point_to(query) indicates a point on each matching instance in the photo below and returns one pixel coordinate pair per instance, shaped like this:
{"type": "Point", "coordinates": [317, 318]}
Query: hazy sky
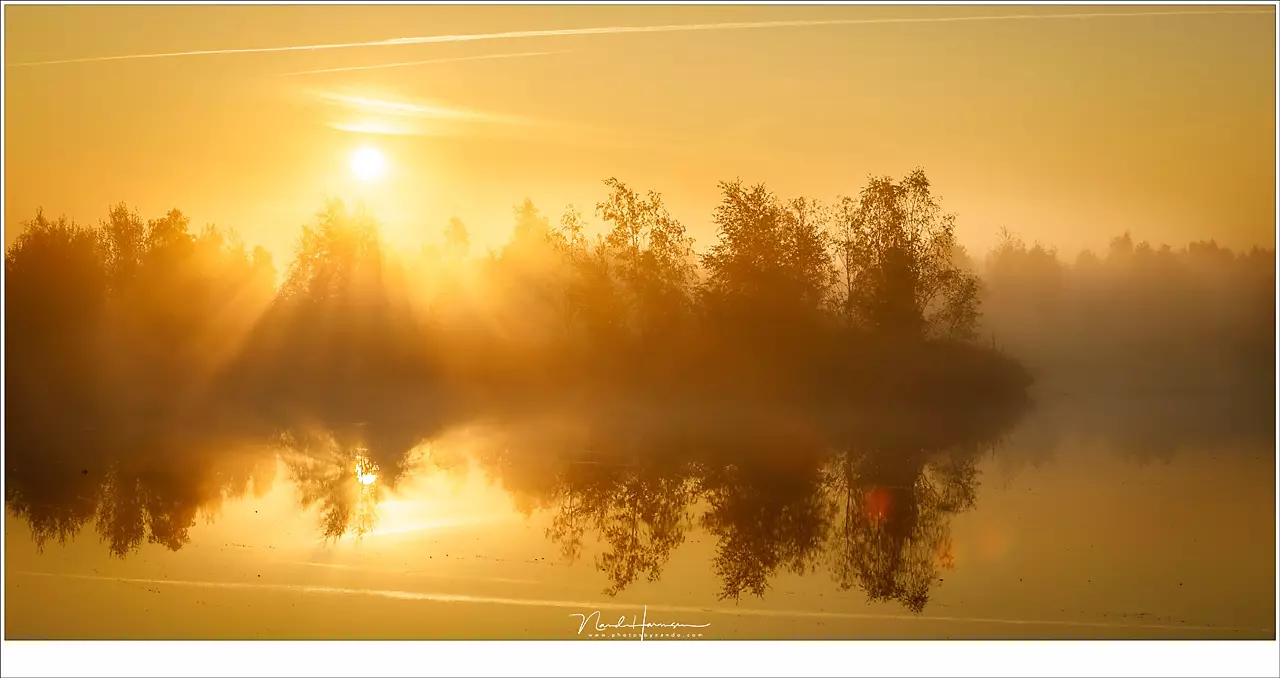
{"type": "Point", "coordinates": [1066, 131]}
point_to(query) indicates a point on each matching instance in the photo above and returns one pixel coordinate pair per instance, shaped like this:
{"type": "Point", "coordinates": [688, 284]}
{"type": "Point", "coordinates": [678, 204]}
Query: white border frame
{"type": "Point", "coordinates": [578, 658]}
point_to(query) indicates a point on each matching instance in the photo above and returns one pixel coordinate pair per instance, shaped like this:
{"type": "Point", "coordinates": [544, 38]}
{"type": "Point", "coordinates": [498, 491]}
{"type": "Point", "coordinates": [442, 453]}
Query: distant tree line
{"type": "Point", "coordinates": [1137, 318]}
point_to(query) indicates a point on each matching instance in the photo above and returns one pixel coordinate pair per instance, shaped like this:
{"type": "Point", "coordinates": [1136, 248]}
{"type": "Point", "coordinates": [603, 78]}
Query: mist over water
{"type": "Point", "coordinates": [824, 395]}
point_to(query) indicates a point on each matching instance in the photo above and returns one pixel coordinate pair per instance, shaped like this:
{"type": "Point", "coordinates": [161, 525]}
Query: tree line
{"type": "Point", "coordinates": [1189, 321]}
{"type": "Point", "coordinates": [151, 320]}
{"type": "Point", "coordinates": [154, 369]}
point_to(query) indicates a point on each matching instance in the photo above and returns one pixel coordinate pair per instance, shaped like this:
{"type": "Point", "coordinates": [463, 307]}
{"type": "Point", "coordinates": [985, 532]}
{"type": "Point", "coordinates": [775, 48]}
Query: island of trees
{"type": "Point", "coordinates": [795, 302]}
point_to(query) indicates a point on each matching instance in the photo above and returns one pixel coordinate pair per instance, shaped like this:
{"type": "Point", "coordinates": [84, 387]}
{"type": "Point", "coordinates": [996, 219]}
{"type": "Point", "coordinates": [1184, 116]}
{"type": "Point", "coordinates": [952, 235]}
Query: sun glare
{"type": "Point", "coordinates": [368, 163]}
{"type": "Point", "coordinates": [366, 471]}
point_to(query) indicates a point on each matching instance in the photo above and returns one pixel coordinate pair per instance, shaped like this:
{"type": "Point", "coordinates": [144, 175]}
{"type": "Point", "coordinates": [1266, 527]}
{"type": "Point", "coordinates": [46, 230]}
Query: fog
{"type": "Point", "coordinates": [820, 382]}
{"type": "Point", "coordinates": [1190, 319]}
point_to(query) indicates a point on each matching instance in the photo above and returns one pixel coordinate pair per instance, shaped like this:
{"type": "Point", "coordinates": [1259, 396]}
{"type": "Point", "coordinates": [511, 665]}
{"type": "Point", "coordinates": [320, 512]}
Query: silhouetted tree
{"type": "Point", "coordinates": [770, 266]}
{"type": "Point", "coordinates": [123, 239]}
{"type": "Point", "coordinates": [654, 260]}
{"type": "Point", "coordinates": [593, 314]}
{"type": "Point", "coordinates": [898, 250]}
{"type": "Point", "coordinates": [56, 296]}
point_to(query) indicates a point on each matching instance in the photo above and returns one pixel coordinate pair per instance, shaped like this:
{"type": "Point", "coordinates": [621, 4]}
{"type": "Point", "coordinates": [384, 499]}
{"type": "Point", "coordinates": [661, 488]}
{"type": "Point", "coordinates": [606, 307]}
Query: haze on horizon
{"type": "Point", "coordinates": [1067, 131]}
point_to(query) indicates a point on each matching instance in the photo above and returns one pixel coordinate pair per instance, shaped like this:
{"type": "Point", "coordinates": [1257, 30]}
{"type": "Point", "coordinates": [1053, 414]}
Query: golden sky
{"type": "Point", "coordinates": [1066, 130]}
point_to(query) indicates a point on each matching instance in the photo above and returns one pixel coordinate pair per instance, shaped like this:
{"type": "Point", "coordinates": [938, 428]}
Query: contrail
{"type": "Point", "coordinates": [587, 606]}
{"type": "Point", "coordinates": [617, 30]}
{"type": "Point", "coordinates": [427, 61]}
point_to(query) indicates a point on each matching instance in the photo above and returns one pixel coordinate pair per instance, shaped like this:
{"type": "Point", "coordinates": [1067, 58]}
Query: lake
{"type": "Point", "coordinates": [1099, 517]}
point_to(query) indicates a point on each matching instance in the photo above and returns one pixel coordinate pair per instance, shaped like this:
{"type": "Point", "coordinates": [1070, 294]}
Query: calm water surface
{"type": "Point", "coordinates": [1111, 518]}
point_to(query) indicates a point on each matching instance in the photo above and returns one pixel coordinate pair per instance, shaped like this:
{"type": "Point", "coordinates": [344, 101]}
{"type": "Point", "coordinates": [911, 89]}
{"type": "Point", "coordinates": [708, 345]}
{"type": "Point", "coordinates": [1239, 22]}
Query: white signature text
{"type": "Point", "coordinates": [612, 630]}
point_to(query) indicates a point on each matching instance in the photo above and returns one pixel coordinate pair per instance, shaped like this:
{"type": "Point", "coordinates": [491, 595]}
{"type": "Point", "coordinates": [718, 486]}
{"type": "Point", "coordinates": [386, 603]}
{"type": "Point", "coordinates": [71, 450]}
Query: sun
{"type": "Point", "coordinates": [368, 163]}
{"type": "Point", "coordinates": [366, 470]}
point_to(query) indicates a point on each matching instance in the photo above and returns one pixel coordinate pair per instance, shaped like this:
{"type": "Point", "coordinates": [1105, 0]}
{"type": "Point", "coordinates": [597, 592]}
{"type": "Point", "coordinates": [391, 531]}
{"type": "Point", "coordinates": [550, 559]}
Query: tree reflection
{"type": "Point", "coordinates": [639, 512]}
{"type": "Point", "coordinates": [891, 531]}
{"type": "Point", "coordinates": [865, 498]}
{"type": "Point", "coordinates": [629, 488]}
{"type": "Point", "coordinates": [341, 476]}
{"type": "Point", "coordinates": [768, 515]}
{"type": "Point", "coordinates": [153, 490]}
{"type": "Point", "coordinates": [869, 497]}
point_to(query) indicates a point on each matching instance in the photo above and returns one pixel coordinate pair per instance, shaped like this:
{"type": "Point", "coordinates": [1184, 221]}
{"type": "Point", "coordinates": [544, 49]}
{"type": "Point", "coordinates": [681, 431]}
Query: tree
{"type": "Point", "coordinates": [55, 294]}
{"type": "Point", "coordinates": [122, 237]}
{"type": "Point", "coordinates": [897, 247]}
{"type": "Point", "coordinates": [1018, 276]}
{"type": "Point", "coordinates": [341, 252]}
{"type": "Point", "coordinates": [568, 239]}
{"type": "Point", "coordinates": [341, 332]}
{"type": "Point", "coordinates": [771, 264]}
{"type": "Point", "coordinates": [456, 239]}
{"type": "Point", "coordinates": [589, 301]}
{"type": "Point", "coordinates": [529, 238]}
{"type": "Point", "coordinates": [653, 255]}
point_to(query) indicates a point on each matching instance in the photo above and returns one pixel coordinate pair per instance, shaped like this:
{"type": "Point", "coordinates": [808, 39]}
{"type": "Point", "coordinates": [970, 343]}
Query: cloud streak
{"type": "Point", "coordinates": [404, 108]}
{"type": "Point", "coordinates": [399, 64]}
{"type": "Point", "coordinates": [425, 110]}
{"type": "Point", "coordinates": [622, 30]}
{"type": "Point", "coordinates": [375, 114]}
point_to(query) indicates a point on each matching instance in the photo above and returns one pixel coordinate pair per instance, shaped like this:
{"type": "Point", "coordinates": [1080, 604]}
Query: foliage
{"type": "Point", "coordinates": [898, 250]}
